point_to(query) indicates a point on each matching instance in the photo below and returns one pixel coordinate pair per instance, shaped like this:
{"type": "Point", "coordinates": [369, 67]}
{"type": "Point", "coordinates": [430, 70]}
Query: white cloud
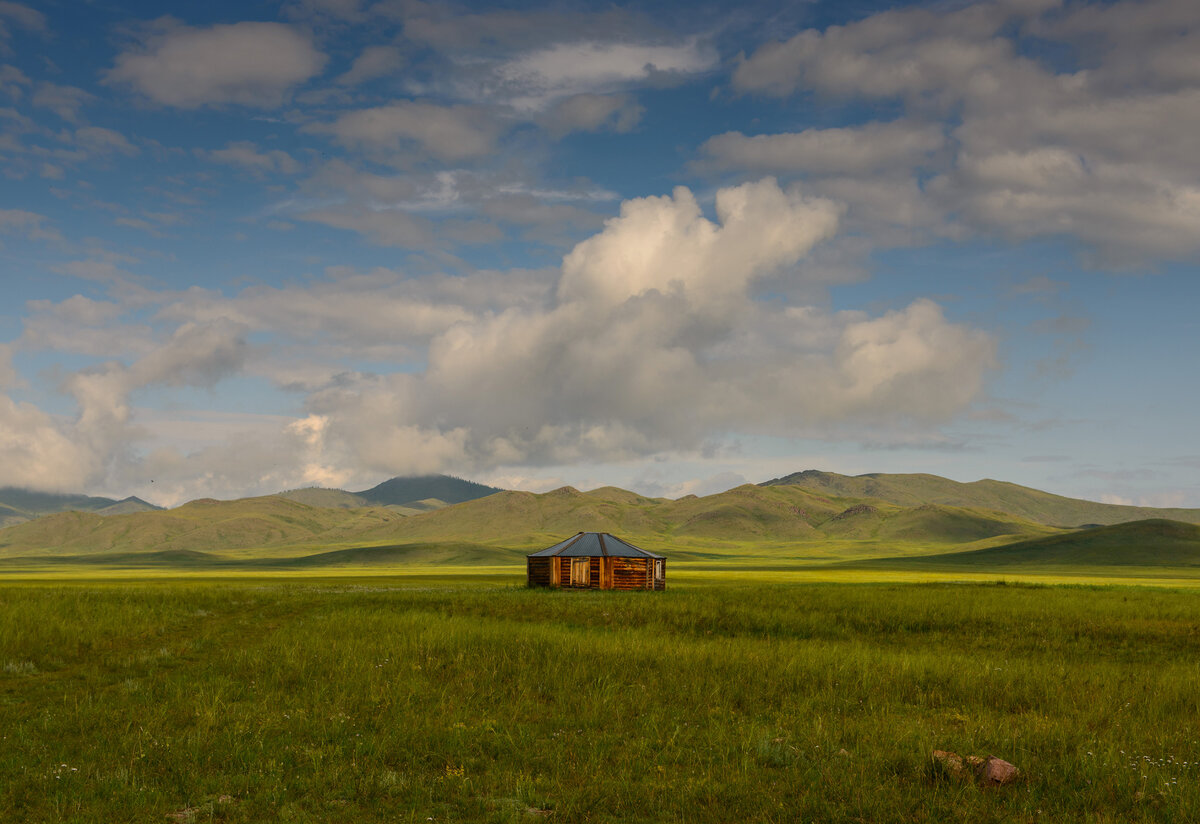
{"type": "Point", "coordinates": [1103, 155]}
{"type": "Point", "coordinates": [653, 316]}
{"type": "Point", "coordinates": [29, 225]}
{"type": "Point", "coordinates": [64, 101]}
{"type": "Point", "coordinates": [385, 227]}
{"type": "Point", "coordinates": [536, 79]}
{"type": "Point", "coordinates": [665, 244]}
{"type": "Point", "coordinates": [13, 82]}
{"type": "Point", "coordinates": [852, 150]}
{"type": "Point", "coordinates": [98, 141]}
{"type": "Point", "coordinates": [21, 16]}
{"type": "Point", "coordinates": [8, 374]}
{"type": "Point", "coordinates": [592, 113]}
{"type": "Point", "coordinates": [41, 451]}
{"type": "Point", "coordinates": [648, 340]}
{"type": "Point", "coordinates": [374, 62]}
{"type": "Point", "coordinates": [446, 132]}
{"type": "Point", "coordinates": [246, 155]}
{"type": "Point", "coordinates": [248, 64]}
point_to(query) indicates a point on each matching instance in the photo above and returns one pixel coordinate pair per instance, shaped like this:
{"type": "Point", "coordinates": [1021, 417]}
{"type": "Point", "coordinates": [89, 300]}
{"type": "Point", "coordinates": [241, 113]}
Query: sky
{"type": "Point", "coordinates": [259, 245]}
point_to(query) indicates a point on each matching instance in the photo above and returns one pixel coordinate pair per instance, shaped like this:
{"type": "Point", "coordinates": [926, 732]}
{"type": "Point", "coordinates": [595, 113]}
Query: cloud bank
{"type": "Point", "coordinates": [649, 338]}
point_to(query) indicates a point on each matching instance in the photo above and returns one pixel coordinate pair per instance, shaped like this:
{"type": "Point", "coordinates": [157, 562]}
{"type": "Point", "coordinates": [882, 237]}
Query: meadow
{"type": "Point", "coordinates": [409, 697]}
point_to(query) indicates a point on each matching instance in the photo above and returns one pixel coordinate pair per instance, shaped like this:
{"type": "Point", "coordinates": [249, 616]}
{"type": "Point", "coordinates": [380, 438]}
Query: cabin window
{"type": "Point", "coordinates": [581, 572]}
{"type": "Point", "coordinates": [658, 570]}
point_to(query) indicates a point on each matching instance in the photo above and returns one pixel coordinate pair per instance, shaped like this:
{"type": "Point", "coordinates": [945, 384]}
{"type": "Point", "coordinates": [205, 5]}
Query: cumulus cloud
{"type": "Point", "coordinates": [248, 64]}
{"type": "Point", "coordinates": [648, 339]}
{"type": "Point", "coordinates": [42, 451]}
{"type": "Point", "coordinates": [650, 317]}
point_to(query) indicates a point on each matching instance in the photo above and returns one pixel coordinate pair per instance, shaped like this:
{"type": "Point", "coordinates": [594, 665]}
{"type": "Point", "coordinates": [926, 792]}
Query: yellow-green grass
{"type": "Point", "coordinates": [417, 698]}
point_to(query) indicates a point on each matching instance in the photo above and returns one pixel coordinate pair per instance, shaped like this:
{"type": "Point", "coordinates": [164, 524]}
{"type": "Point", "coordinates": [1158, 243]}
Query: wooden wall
{"type": "Point", "coordinates": [538, 572]}
{"type": "Point", "coordinates": [632, 573]}
{"type": "Point", "coordinates": [603, 573]}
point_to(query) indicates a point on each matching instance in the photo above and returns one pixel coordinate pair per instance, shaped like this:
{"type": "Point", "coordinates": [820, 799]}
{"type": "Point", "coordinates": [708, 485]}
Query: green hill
{"type": "Point", "coordinates": [203, 525]}
{"type": "Point", "coordinates": [999, 496]}
{"type": "Point", "coordinates": [749, 519]}
{"type": "Point", "coordinates": [814, 517]}
{"type": "Point", "coordinates": [1150, 543]}
{"type": "Point", "coordinates": [319, 496]}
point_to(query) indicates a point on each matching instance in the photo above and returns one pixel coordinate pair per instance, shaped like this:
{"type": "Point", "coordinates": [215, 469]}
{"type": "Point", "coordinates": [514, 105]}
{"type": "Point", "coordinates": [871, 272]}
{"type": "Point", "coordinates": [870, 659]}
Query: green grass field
{"type": "Point", "coordinates": [435, 697]}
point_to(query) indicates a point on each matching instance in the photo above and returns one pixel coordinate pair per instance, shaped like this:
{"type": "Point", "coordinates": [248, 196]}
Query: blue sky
{"type": "Point", "coordinates": [254, 246]}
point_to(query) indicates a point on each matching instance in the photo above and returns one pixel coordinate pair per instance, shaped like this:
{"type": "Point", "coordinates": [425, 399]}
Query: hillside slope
{"type": "Point", "coordinates": [1149, 543]}
{"type": "Point", "coordinates": [1030, 504]}
{"type": "Point", "coordinates": [204, 525]}
{"type": "Point", "coordinates": [780, 519]}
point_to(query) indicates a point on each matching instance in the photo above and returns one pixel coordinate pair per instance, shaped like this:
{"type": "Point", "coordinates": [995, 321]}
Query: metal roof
{"type": "Point", "coordinates": [592, 544]}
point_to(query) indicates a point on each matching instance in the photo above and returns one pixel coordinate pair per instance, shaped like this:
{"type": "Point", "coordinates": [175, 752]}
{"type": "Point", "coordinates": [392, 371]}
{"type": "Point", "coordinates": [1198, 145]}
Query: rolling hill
{"type": "Point", "coordinates": [742, 517]}
{"type": "Point", "coordinates": [1000, 496]}
{"type": "Point", "coordinates": [813, 517]}
{"type": "Point", "coordinates": [1150, 543]}
{"type": "Point", "coordinates": [205, 525]}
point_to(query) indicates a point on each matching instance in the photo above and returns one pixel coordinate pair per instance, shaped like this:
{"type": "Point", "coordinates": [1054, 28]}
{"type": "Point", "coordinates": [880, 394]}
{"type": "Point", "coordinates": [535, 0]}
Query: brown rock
{"type": "Point", "coordinates": [996, 771]}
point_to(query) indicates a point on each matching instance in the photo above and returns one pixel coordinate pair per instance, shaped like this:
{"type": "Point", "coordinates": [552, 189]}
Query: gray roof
{"type": "Point", "coordinates": [591, 544]}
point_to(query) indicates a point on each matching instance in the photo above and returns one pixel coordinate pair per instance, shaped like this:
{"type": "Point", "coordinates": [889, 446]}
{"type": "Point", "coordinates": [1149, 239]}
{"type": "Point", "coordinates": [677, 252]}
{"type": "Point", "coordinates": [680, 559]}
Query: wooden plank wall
{"type": "Point", "coordinates": [564, 571]}
{"type": "Point", "coordinates": [604, 573]}
{"type": "Point", "coordinates": [537, 571]}
{"type": "Point", "coordinates": [632, 573]}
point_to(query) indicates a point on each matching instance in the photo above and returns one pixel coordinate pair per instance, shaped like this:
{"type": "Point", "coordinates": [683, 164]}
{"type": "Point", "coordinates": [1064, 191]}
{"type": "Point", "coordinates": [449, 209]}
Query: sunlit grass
{"type": "Point", "coordinates": [468, 697]}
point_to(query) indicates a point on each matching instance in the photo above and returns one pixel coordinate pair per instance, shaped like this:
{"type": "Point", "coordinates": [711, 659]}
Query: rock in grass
{"type": "Point", "coordinates": [990, 771]}
{"type": "Point", "coordinates": [996, 772]}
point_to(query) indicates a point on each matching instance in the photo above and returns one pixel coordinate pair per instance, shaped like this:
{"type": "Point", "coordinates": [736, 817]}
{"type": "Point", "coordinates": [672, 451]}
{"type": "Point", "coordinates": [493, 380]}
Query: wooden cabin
{"type": "Point", "coordinates": [596, 560]}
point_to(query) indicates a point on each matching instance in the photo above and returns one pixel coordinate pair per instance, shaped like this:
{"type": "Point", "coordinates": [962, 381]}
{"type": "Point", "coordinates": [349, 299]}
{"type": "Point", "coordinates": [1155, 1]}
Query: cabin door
{"type": "Point", "coordinates": [660, 573]}
{"type": "Point", "coordinates": [581, 572]}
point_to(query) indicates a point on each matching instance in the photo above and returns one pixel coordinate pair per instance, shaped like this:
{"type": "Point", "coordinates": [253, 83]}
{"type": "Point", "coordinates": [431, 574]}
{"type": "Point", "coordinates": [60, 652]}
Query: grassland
{"type": "Point", "coordinates": [470, 698]}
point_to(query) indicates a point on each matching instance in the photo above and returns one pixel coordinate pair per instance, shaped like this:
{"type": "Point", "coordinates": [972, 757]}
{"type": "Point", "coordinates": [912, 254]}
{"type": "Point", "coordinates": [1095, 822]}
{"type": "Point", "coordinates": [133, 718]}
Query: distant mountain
{"type": "Point", "coordinates": [408, 495]}
{"type": "Point", "coordinates": [18, 505]}
{"type": "Point", "coordinates": [414, 490]}
{"type": "Point", "coordinates": [1150, 543]}
{"type": "Point", "coordinates": [128, 506]}
{"type": "Point", "coordinates": [999, 496]}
